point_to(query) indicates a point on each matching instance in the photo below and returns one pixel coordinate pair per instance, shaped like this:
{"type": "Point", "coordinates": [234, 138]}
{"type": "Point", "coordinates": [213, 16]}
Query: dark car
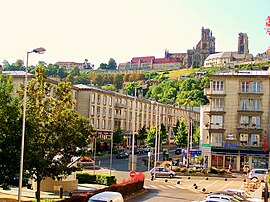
{"type": "Point", "coordinates": [178, 151]}
{"type": "Point", "coordinates": [121, 155]}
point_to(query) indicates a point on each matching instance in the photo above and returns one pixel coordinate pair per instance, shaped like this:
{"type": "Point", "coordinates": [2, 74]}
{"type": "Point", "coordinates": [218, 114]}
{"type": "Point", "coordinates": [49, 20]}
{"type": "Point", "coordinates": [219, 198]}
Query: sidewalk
{"type": "Point", "coordinates": [29, 195]}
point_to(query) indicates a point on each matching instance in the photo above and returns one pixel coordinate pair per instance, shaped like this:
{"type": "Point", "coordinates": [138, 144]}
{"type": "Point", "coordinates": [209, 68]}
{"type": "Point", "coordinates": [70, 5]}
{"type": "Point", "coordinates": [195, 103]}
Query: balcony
{"type": "Point", "coordinates": [119, 105]}
{"type": "Point", "coordinates": [210, 92]}
{"type": "Point", "coordinates": [249, 128]}
{"type": "Point", "coordinates": [254, 110]}
{"type": "Point", "coordinates": [214, 110]}
{"type": "Point", "coordinates": [118, 116]}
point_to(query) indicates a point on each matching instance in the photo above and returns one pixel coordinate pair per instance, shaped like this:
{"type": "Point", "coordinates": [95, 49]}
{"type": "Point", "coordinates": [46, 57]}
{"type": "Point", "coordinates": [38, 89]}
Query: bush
{"type": "Point", "coordinates": [126, 188]}
{"type": "Point", "coordinates": [95, 179]}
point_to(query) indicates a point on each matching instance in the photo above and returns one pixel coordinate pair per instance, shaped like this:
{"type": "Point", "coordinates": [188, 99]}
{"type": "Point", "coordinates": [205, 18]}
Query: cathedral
{"type": "Point", "coordinates": [205, 47]}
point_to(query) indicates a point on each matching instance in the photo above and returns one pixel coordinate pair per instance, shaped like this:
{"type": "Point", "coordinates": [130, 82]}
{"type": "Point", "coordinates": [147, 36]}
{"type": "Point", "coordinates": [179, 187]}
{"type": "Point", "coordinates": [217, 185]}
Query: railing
{"type": "Point", "coordinates": [209, 91]}
{"type": "Point", "coordinates": [249, 126]}
{"type": "Point", "coordinates": [120, 105]}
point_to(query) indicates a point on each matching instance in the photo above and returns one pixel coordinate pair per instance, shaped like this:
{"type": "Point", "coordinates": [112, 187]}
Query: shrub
{"type": "Point", "coordinates": [95, 179]}
{"type": "Point", "coordinates": [85, 178]}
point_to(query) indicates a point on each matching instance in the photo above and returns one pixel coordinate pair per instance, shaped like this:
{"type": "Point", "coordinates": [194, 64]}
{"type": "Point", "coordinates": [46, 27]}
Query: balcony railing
{"type": "Point", "coordinates": [238, 144]}
{"type": "Point", "coordinates": [250, 109]}
{"type": "Point", "coordinates": [209, 91]}
{"type": "Point", "coordinates": [120, 105]}
{"type": "Point", "coordinates": [118, 116]}
{"type": "Point", "coordinates": [249, 126]}
{"type": "Point", "coordinates": [209, 108]}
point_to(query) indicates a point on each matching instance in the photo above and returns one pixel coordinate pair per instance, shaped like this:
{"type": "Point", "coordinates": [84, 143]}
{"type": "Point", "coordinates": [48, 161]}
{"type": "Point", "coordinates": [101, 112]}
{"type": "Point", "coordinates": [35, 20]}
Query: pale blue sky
{"type": "Point", "coordinates": [121, 29]}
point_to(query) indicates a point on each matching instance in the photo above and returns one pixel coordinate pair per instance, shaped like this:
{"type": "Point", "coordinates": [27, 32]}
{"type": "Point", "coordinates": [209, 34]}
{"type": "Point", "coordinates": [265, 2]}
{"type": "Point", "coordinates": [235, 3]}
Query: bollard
{"type": "Point", "coordinates": [61, 192]}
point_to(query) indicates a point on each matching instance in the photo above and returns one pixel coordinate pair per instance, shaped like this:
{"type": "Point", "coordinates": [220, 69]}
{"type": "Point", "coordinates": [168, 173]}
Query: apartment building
{"type": "Point", "coordinates": [108, 110]}
{"type": "Point", "coordinates": [236, 121]}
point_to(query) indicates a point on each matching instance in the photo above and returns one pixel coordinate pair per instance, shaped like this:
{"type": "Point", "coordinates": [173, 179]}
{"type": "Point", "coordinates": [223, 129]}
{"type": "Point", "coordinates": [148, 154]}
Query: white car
{"type": "Point", "coordinates": [107, 196]}
{"type": "Point", "coordinates": [162, 172]}
{"type": "Point", "coordinates": [258, 174]}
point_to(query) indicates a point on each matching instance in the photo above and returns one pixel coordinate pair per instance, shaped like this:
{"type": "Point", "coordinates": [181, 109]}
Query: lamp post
{"type": "Point", "coordinates": [156, 138]}
{"type": "Point", "coordinates": [159, 128]}
{"type": "Point", "coordinates": [111, 154]}
{"type": "Point", "coordinates": [39, 51]}
{"type": "Point", "coordinates": [133, 126]}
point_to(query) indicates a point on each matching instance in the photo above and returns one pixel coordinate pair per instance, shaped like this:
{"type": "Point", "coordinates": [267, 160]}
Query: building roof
{"type": "Point", "coordinates": [245, 73]}
{"type": "Point", "coordinates": [143, 59]}
{"type": "Point", "coordinates": [166, 60]}
{"type": "Point", "coordinates": [17, 73]}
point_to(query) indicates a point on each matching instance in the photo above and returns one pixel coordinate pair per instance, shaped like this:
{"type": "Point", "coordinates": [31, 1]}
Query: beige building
{"type": "Point", "coordinates": [236, 121]}
{"type": "Point", "coordinates": [108, 110]}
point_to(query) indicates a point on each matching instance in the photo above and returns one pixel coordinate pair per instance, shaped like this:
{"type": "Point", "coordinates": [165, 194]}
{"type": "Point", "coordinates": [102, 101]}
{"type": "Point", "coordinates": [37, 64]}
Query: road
{"type": "Point", "coordinates": [175, 189]}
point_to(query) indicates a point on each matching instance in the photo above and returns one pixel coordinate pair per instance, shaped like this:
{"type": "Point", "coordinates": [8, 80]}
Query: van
{"type": "Point", "coordinates": [107, 196]}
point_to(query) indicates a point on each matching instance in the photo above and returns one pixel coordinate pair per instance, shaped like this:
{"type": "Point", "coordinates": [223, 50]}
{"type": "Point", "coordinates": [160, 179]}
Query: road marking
{"type": "Point", "coordinates": [153, 186]}
{"type": "Point", "coordinates": [171, 186]}
{"type": "Point", "coordinates": [211, 184]}
{"type": "Point", "coordinates": [226, 186]}
{"type": "Point", "coordinates": [164, 187]}
{"type": "Point", "coordinates": [196, 184]}
{"type": "Point", "coordinates": [180, 187]}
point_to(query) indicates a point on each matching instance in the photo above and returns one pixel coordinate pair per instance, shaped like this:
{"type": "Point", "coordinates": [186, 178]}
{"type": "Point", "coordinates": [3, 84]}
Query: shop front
{"type": "Point", "coordinates": [236, 159]}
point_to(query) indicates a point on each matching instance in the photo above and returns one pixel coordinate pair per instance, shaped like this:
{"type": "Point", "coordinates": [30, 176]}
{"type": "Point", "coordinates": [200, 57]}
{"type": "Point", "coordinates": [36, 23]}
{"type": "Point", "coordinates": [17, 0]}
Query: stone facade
{"type": "Point", "coordinates": [236, 121]}
{"type": "Point", "coordinates": [204, 48]}
{"type": "Point", "coordinates": [243, 43]}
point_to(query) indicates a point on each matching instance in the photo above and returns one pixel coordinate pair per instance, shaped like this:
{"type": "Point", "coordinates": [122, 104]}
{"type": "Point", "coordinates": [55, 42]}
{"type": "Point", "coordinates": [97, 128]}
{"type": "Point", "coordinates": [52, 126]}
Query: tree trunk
{"type": "Point", "coordinates": [38, 189]}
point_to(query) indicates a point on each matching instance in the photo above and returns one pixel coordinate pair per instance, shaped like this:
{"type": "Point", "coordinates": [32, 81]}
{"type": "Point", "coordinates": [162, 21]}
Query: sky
{"type": "Point", "coordinates": [98, 30]}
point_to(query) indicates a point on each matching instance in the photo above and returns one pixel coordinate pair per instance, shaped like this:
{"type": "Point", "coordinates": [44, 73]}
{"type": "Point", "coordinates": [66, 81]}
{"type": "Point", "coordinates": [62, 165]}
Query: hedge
{"type": "Point", "coordinates": [126, 188]}
{"type": "Point", "coordinates": [95, 179]}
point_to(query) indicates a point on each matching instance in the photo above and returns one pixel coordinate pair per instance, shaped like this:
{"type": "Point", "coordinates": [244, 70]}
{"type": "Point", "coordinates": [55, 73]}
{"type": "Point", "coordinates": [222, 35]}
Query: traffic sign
{"type": "Point", "coordinates": [132, 173]}
{"type": "Point", "coordinates": [206, 145]}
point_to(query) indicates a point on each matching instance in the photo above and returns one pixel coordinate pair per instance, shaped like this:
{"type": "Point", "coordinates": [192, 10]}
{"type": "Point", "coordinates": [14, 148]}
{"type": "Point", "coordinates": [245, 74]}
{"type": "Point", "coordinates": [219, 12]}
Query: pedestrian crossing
{"type": "Point", "coordinates": [159, 186]}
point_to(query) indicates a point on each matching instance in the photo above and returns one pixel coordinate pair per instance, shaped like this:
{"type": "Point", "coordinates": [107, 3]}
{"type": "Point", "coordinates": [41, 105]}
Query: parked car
{"type": "Point", "coordinates": [127, 152]}
{"type": "Point", "coordinates": [85, 161]}
{"type": "Point", "coordinates": [121, 155]}
{"type": "Point", "coordinates": [146, 149]}
{"type": "Point", "coordinates": [162, 172]}
{"type": "Point", "coordinates": [258, 173]}
{"type": "Point", "coordinates": [178, 151]}
{"type": "Point", "coordinates": [138, 150]}
{"type": "Point", "coordinates": [107, 196]}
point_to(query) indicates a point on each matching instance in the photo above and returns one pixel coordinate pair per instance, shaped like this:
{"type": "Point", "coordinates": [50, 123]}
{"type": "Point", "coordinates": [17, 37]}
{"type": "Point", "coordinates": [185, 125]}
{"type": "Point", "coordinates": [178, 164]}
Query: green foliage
{"type": "Point", "coordinates": [196, 135]}
{"type": "Point", "coordinates": [150, 141]}
{"type": "Point", "coordinates": [10, 128]}
{"type": "Point", "coordinates": [180, 138]}
{"type": "Point", "coordinates": [163, 133]}
{"type": "Point", "coordinates": [95, 179]}
{"type": "Point", "coordinates": [142, 134]}
{"type": "Point", "coordinates": [118, 136]}
{"type": "Point", "coordinates": [112, 64]}
{"type": "Point", "coordinates": [54, 131]}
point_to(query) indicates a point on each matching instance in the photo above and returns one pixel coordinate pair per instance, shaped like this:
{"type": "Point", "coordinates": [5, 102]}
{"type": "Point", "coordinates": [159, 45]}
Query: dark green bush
{"type": "Point", "coordinates": [95, 179]}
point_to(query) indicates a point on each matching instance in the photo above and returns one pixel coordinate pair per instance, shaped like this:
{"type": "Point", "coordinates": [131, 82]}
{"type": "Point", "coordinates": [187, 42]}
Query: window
{"type": "Point", "coordinates": [97, 123]}
{"type": "Point", "coordinates": [98, 99]}
{"type": "Point", "coordinates": [98, 111]}
{"type": "Point", "coordinates": [216, 139]}
{"type": "Point", "coordinates": [256, 87]}
{"type": "Point", "coordinates": [245, 87]}
{"type": "Point", "coordinates": [110, 101]}
{"type": "Point", "coordinates": [104, 111]}
{"type": "Point", "coordinates": [218, 103]}
{"type": "Point", "coordinates": [216, 122]}
{"type": "Point", "coordinates": [103, 123]}
{"type": "Point", "coordinates": [243, 139]}
{"type": "Point", "coordinates": [256, 104]}
{"type": "Point", "coordinates": [256, 122]}
{"type": "Point", "coordinates": [255, 140]}
{"type": "Point", "coordinates": [92, 110]}
{"type": "Point", "coordinates": [244, 104]}
{"type": "Point", "coordinates": [93, 98]}
{"type": "Point", "coordinates": [110, 112]}
{"type": "Point", "coordinates": [244, 121]}
{"type": "Point", "coordinates": [218, 86]}
{"type": "Point", "coordinates": [104, 100]}
{"type": "Point", "coordinates": [109, 124]}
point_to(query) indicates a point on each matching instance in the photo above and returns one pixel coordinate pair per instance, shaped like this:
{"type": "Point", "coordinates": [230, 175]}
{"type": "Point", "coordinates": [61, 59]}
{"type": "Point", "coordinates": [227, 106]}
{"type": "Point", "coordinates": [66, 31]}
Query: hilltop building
{"type": "Point", "coordinates": [231, 58]}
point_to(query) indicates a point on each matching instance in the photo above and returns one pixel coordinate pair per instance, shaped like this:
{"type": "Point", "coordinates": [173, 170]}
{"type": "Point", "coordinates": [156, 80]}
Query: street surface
{"type": "Point", "coordinates": [179, 188]}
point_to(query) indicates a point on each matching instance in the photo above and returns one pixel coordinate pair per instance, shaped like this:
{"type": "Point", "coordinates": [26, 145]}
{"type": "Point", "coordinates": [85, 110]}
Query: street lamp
{"type": "Point", "coordinates": [39, 51]}
{"type": "Point", "coordinates": [134, 124]}
{"type": "Point", "coordinates": [156, 138]}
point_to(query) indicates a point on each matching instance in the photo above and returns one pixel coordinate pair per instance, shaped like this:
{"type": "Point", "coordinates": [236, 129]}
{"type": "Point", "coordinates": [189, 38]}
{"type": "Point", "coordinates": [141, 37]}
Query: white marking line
{"type": "Point", "coordinates": [225, 186]}
{"type": "Point", "coordinates": [180, 187]}
{"type": "Point", "coordinates": [171, 186]}
{"type": "Point", "coordinates": [211, 184]}
{"type": "Point", "coordinates": [196, 184]}
{"type": "Point", "coordinates": [162, 186]}
{"type": "Point", "coordinates": [241, 186]}
{"type": "Point", "coordinates": [153, 186]}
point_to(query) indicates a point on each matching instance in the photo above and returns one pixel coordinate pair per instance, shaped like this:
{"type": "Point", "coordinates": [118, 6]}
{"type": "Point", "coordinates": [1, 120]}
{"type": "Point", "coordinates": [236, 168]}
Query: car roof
{"type": "Point", "coordinates": [105, 195]}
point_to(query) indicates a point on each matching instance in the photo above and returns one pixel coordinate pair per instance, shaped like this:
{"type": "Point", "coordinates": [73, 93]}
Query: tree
{"type": "Point", "coordinates": [180, 138]}
{"type": "Point", "coordinates": [54, 132]}
{"type": "Point", "coordinates": [163, 133]}
{"type": "Point", "coordinates": [142, 135]}
{"type": "Point", "coordinates": [196, 136]}
{"type": "Point", "coordinates": [150, 140]}
{"type": "Point", "coordinates": [10, 129]}
{"type": "Point", "coordinates": [112, 64]}
{"type": "Point", "coordinates": [103, 66]}
{"type": "Point", "coordinates": [118, 136]}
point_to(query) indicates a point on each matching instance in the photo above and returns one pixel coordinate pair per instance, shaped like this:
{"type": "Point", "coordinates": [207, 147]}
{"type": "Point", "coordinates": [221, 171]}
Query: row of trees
{"type": "Point", "coordinates": [54, 132]}
{"type": "Point", "coordinates": [147, 136]}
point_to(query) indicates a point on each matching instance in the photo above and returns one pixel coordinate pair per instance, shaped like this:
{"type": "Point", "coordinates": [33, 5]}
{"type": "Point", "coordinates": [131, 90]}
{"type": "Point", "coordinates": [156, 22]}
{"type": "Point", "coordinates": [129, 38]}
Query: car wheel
{"type": "Point", "coordinates": [171, 175]}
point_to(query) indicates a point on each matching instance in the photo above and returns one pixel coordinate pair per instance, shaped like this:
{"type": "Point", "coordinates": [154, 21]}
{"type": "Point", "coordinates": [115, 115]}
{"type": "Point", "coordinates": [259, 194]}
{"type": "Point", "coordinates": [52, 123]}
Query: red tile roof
{"type": "Point", "coordinates": [143, 59]}
{"type": "Point", "coordinates": [167, 60]}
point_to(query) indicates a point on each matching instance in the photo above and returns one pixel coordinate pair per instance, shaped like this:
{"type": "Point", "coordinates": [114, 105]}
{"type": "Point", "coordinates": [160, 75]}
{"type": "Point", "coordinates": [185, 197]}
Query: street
{"type": "Point", "coordinates": [180, 188]}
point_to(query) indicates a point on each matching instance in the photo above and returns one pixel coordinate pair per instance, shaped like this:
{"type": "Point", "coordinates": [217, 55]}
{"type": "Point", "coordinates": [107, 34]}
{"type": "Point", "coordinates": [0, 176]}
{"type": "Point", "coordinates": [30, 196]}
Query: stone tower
{"type": "Point", "coordinates": [243, 43]}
